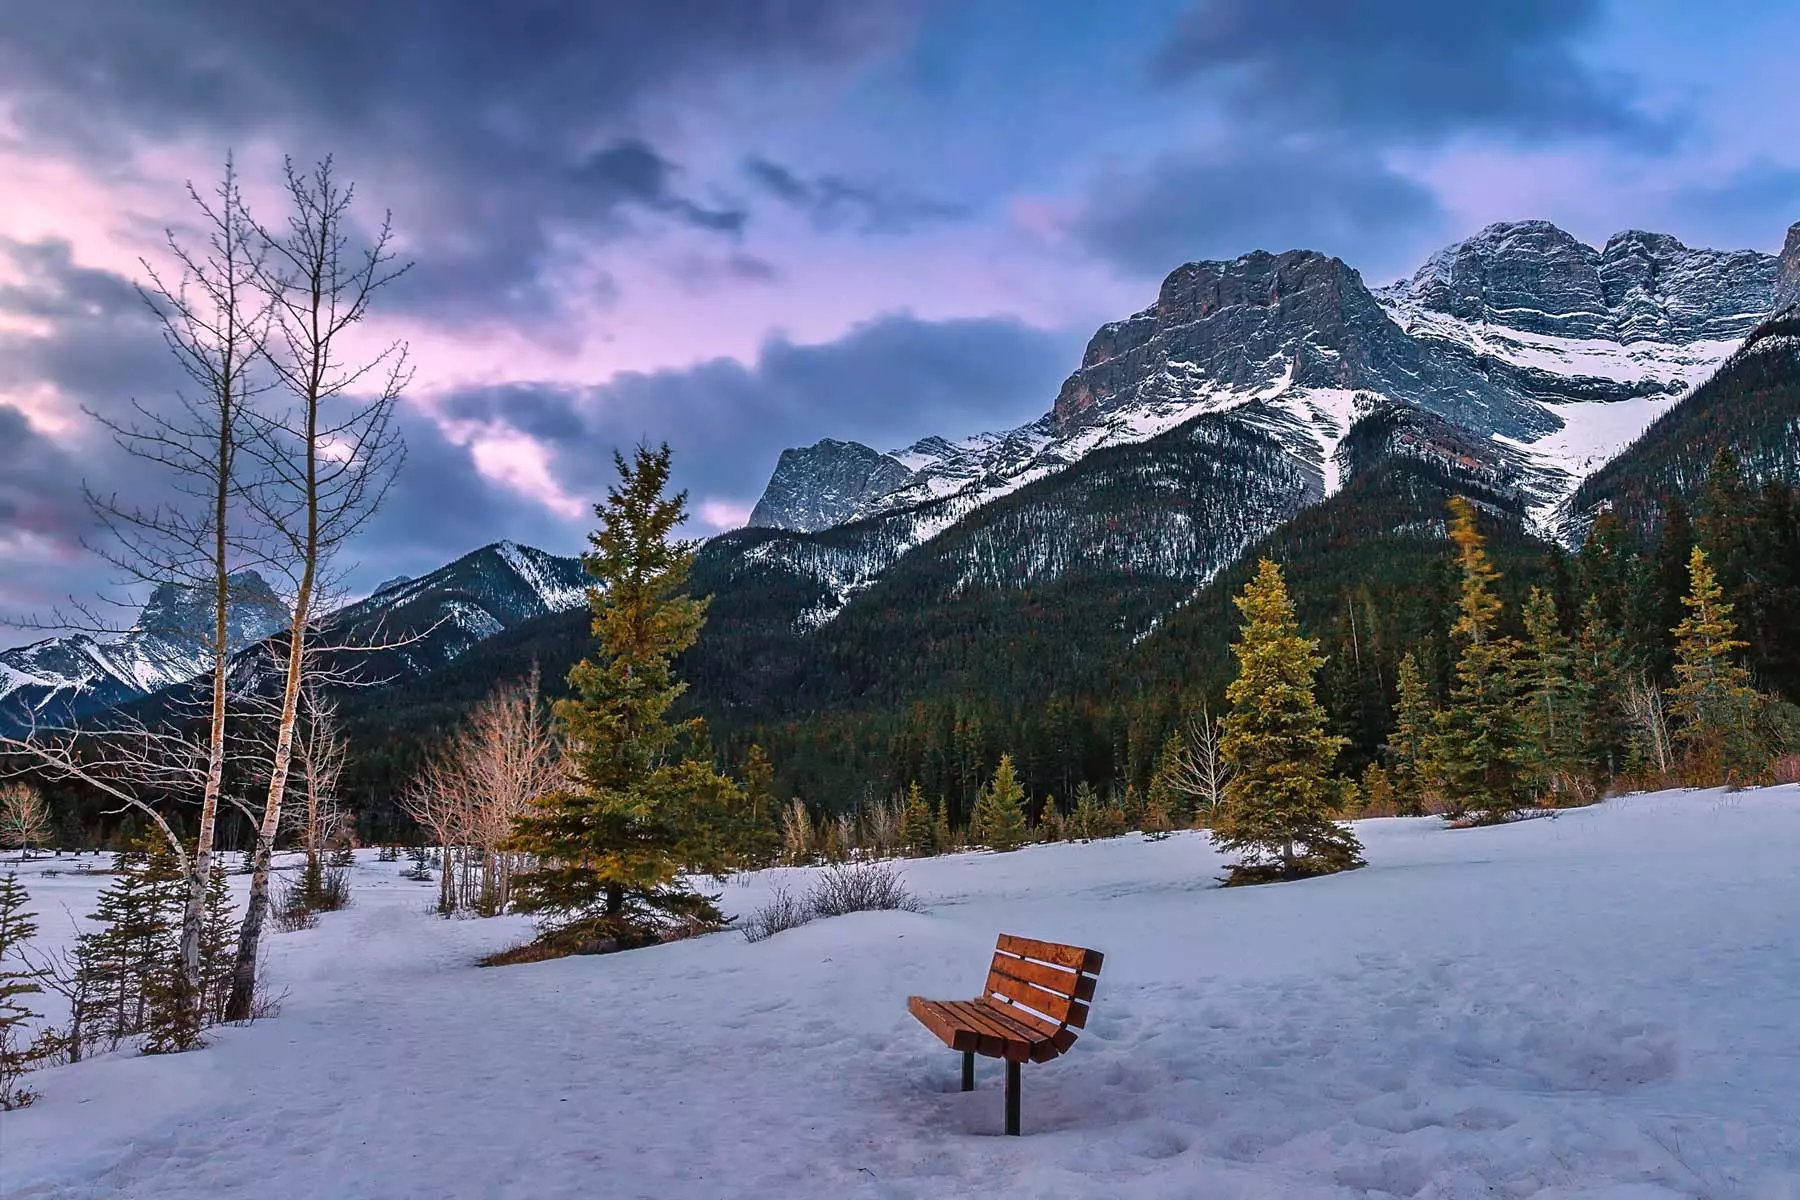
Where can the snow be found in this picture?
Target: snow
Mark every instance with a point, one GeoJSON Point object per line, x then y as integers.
{"type": "Point", "coordinates": [1593, 432]}
{"type": "Point", "coordinates": [1603, 1004]}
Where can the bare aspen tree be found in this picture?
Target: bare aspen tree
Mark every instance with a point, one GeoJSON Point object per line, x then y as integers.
{"type": "Point", "coordinates": [1644, 706]}
{"type": "Point", "coordinates": [477, 784]}
{"type": "Point", "coordinates": [319, 753]}
{"type": "Point", "coordinates": [213, 318]}
{"type": "Point", "coordinates": [24, 817]}
{"type": "Point", "coordinates": [1202, 772]}
{"type": "Point", "coordinates": [327, 459]}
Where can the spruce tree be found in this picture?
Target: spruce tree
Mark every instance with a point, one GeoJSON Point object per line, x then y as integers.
{"type": "Point", "coordinates": [1550, 744]}
{"type": "Point", "coordinates": [1156, 821]}
{"type": "Point", "coordinates": [1476, 746]}
{"type": "Point", "coordinates": [1409, 747]}
{"type": "Point", "coordinates": [639, 808]}
{"type": "Point", "coordinates": [1090, 815]}
{"type": "Point", "coordinates": [218, 942]}
{"type": "Point", "coordinates": [1379, 798]}
{"type": "Point", "coordinates": [1598, 671]}
{"type": "Point", "coordinates": [16, 982]}
{"type": "Point", "coordinates": [1712, 702]}
{"type": "Point", "coordinates": [999, 811]}
{"type": "Point", "coordinates": [918, 825]}
{"type": "Point", "coordinates": [941, 834]}
{"type": "Point", "coordinates": [758, 826]}
{"type": "Point", "coordinates": [1279, 807]}
{"type": "Point", "coordinates": [1165, 795]}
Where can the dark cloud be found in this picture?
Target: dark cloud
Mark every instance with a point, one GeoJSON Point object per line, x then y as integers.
{"type": "Point", "coordinates": [630, 170]}
{"type": "Point", "coordinates": [887, 382]}
{"type": "Point", "coordinates": [832, 202]}
{"type": "Point", "coordinates": [1250, 197]}
{"type": "Point", "coordinates": [497, 108]}
{"type": "Point", "coordinates": [1408, 69]}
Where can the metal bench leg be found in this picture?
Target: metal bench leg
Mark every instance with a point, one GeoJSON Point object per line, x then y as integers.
{"type": "Point", "coordinates": [1012, 1098]}
{"type": "Point", "coordinates": [968, 1070]}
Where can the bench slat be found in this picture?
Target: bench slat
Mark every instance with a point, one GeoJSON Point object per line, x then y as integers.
{"type": "Point", "coordinates": [1056, 979]}
{"type": "Point", "coordinates": [1058, 1009]}
{"type": "Point", "coordinates": [1008, 1041]}
{"type": "Point", "coordinates": [1075, 958]}
{"type": "Point", "coordinates": [1040, 1026]}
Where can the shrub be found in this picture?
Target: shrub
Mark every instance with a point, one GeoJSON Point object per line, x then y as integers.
{"type": "Point", "coordinates": [860, 887]}
{"type": "Point", "coordinates": [847, 888]}
{"type": "Point", "coordinates": [783, 911]}
{"type": "Point", "coordinates": [1787, 770]}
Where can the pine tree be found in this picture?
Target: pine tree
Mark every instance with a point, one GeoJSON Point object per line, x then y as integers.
{"type": "Point", "coordinates": [16, 928]}
{"type": "Point", "coordinates": [1409, 747]}
{"type": "Point", "coordinates": [1598, 671]}
{"type": "Point", "coordinates": [1090, 815]}
{"type": "Point", "coordinates": [1165, 794]}
{"type": "Point", "coordinates": [132, 960]}
{"type": "Point", "coordinates": [218, 933]}
{"type": "Point", "coordinates": [1279, 807]}
{"type": "Point", "coordinates": [1378, 796]}
{"type": "Point", "coordinates": [1156, 821]}
{"type": "Point", "coordinates": [1476, 746]}
{"type": "Point", "coordinates": [941, 834]}
{"type": "Point", "coordinates": [1715, 707]}
{"type": "Point", "coordinates": [1550, 743]}
{"type": "Point", "coordinates": [918, 825]}
{"type": "Point", "coordinates": [758, 828]}
{"type": "Point", "coordinates": [639, 809]}
{"type": "Point", "coordinates": [999, 811]}
{"type": "Point", "coordinates": [1053, 826]}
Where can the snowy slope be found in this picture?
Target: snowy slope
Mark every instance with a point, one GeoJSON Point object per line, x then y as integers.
{"type": "Point", "coordinates": [1601, 1005]}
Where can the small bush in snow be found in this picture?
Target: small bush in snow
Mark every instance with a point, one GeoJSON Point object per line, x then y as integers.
{"type": "Point", "coordinates": [846, 888]}
{"type": "Point", "coordinates": [859, 887]}
{"type": "Point", "coordinates": [783, 911]}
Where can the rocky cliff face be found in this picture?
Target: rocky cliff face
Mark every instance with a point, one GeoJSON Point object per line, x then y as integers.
{"type": "Point", "coordinates": [1787, 275]}
{"type": "Point", "coordinates": [1533, 277]}
{"type": "Point", "coordinates": [825, 484]}
{"type": "Point", "coordinates": [1522, 333]}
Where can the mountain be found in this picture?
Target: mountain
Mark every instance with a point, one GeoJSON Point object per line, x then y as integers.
{"type": "Point", "coordinates": [1751, 407]}
{"type": "Point", "coordinates": [64, 678]}
{"type": "Point", "coordinates": [1521, 333]}
{"type": "Point", "coordinates": [416, 627]}
{"type": "Point", "coordinates": [826, 484]}
{"type": "Point", "coordinates": [1787, 278]}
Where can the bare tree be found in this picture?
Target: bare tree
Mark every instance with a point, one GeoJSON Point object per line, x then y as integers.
{"type": "Point", "coordinates": [1644, 706]}
{"type": "Point", "coordinates": [24, 817]}
{"type": "Point", "coordinates": [477, 784]}
{"type": "Point", "coordinates": [213, 319]}
{"type": "Point", "coordinates": [327, 460]}
{"type": "Point", "coordinates": [319, 753]}
{"type": "Point", "coordinates": [1202, 773]}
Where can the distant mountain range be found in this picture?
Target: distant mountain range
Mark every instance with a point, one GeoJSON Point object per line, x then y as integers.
{"type": "Point", "coordinates": [1512, 366]}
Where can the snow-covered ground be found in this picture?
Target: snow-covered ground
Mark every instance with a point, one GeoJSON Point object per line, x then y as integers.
{"type": "Point", "coordinates": [1603, 1004]}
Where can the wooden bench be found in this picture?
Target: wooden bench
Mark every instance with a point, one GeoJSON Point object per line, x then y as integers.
{"type": "Point", "coordinates": [1036, 997]}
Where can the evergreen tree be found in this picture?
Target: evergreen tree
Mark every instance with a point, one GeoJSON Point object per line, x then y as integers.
{"type": "Point", "coordinates": [218, 943]}
{"type": "Point", "coordinates": [758, 827]}
{"type": "Point", "coordinates": [999, 811]}
{"type": "Point", "coordinates": [1409, 747]}
{"type": "Point", "coordinates": [1598, 672]}
{"type": "Point", "coordinates": [1712, 702]}
{"type": "Point", "coordinates": [918, 825]}
{"type": "Point", "coordinates": [1279, 806]}
{"type": "Point", "coordinates": [1156, 821]}
{"type": "Point", "coordinates": [1165, 796]}
{"type": "Point", "coordinates": [16, 928]}
{"type": "Point", "coordinates": [1476, 743]}
{"type": "Point", "coordinates": [941, 835]}
{"type": "Point", "coordinates": [1090, 814]}
{"type": "Point", "coordinates": [1550, 715]}
{"type": "Point", "coordinates": [1053, 826]}
{"type": "Point", "coordinates": [639, 808]}
{"type": "Point", "coordinates": [1379, 798]}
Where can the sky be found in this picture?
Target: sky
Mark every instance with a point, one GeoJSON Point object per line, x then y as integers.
{"type": "Point", "coordinates": [742, 225]}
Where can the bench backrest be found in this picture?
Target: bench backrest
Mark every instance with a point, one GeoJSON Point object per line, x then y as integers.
{"type": "Point", "coordinates": [1045, 985]}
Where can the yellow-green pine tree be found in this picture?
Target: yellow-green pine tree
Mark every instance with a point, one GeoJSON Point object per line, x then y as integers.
{"type": "Point", "coordinates": [1713, 705]}
{"type": "Point", "coordinates": [1000, 812]}
{"type": "Point", "coordinates": [1279, 807]}
{"type": "Point", "coordinates": [641, 807]}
